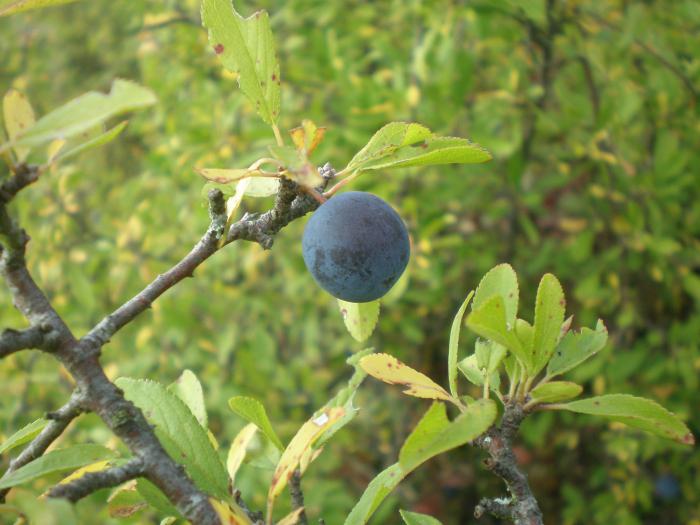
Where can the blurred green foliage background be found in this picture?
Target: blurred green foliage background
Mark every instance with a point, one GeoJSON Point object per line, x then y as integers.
{"type": "Point", "coordinates": [591, 112]}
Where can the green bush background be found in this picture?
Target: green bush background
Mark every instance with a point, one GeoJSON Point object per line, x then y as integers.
{"type": "Point", "coordinates": [591, 112]}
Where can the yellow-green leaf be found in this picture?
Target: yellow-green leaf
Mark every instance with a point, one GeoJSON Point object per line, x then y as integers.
{"type": "Point", "coordinates": [435, 434]}
{"type": "Point", "coordinates": [24, 435]}
{"type": "Point", "coordinates": [298, 446]}
{"type": "Point", "coordinates": [237, 452]}
{"type": "Point", "coordinates": [10, 7]}
{"type": "Point", "coordinates": [99, 140]}
{"type": "Point", "coordinates": [403, 145]}
{"type": "Point", "coordinates": [359, 318]}
{"type": "Point", "coordinates": [377, 490]}
{"type": "Point", "coordinates": [292, 518]}
{"type": "Point", "coordinates": [390, 370]}
{"type": "Point", "coordinates": [477, 375]}
{"type": "Point", "coordinates": [226, 176]}
{"type": "Point", "coordinates": [19, 117]}
{"type": "Point", "coordinates": [415, 518]}
{"type": "Point", "coordinates": [86, 112]}
{"type": "Point", "coordinates": [57, 461]}
{"type": "Point", "coordinates": [230, 513]}
{"type": "Point", "coordinates": [188, 388]}
{"type": "Point", "coordinates": [98, 466]}
{"type": "Point", "coordinates": [307, 136]}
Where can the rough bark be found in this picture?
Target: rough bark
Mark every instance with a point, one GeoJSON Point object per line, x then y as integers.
{"type": "Point", "coordinates": [81, 357]}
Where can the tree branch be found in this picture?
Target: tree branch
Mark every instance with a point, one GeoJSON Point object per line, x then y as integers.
{"type": "Point", "coordinates": [82, 361]}
{"type": "Point", "coordinates": [81, 358]}
{"type": "Point", "coordinates": [127, 312]}
{"type": "Point", "coordinates": [290, 204]}
{"type": "Point", "coordinates": [521, 506]}
{"type": "Point", "coordinates": [34, 337]}
{"type": "Point", "coordinates": [93, 481]}
{"type": "Point", "coordinates": [24, 175]}
{"type": "Point", "coordinates": [60, 419]}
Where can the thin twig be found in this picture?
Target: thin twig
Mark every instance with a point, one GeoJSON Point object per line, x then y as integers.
{"type": "Point", "coordinates": [297, 496]}
{"type": "Point", "coordinates": [88, 483]}
{"type": "Point", "coordinates": [60, 419]}
{"type": "Point", "coordinates": [126, 313]}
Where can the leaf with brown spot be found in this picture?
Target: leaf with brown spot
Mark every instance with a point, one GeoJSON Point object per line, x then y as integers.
{"type": "Point", "coordinates": [637, 412]}
{"type": "Point", "coordinates": [550, 307]}
{"type": "Point", "coordinates": [390, 370]}
{"type": "Point", "coordinates": [307, 136]}
{"type": "Point", "coordinates": [245, 46]}
{"type": "Point", "coordinates": [19, 117]}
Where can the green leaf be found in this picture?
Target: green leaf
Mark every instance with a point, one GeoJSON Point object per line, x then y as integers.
{"type": "Point", "coordinates": [10, 7]}
{"type": "Point", "coordinates": [24, 435]}
{"type": "Point", "coordinates": [155, 497]}
{"type": "Point", "coordinates": [245, 46]}
{"type": "Point", "coordinates": [297, 165]}
{"type": "Point", "coordinates": [95, 142]}
{"type": "Point", "coordinates": [179, 432]}
{"type": "Point", "coordinates": [550, 307]}
{"type": "Point", "coordinates": [403, 144]}
{"type": "Point", "coordinates": [512, 368]}
{"type": "Point", "coordinates": [526, 335]}
{"type": "Point", "coordinates": [499, 280]}
{"type": "Point", "coordinates": [555, 391]}
{"type": "Point", "coordinates": [433, 435]}
{"type": "Point", "coordinates": [453, 352]}
{"type": "Point", "coordinates": [635, 412]}
{"type": "Point", "coordinates": [575, 348]}
{"type": "Point", "coordinates": [43, 511]}
{"type": "Point", "coordinates": [253, 411]}
{"type": "Point", "coordinates": [414, 518]}
{"type": "Point", "coordinates": [359, 318]}
{"type": "Point", "coordinates": [57, 461]}
{"type": "Point", "coordinates": [85, 112]}
{"type": "Point", "coordinates": [489, 355]}
{"type": "Point", "coordinates": [188, 388]}
{"type": "Point", "coordinates": [476, 375]}
{"type": "Point", "coordinates": [489, 321]}
{"type": "Point", "coordinates": [377, 490]}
